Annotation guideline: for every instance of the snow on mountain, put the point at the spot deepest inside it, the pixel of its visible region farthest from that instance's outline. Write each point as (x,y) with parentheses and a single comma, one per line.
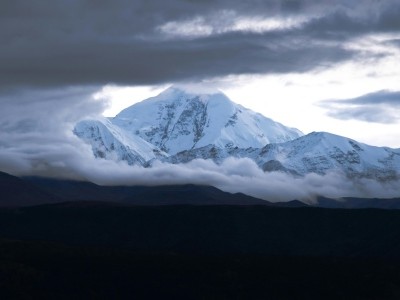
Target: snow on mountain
(177,120)
(321,152)
(111,142)
(178,126)
(317,152)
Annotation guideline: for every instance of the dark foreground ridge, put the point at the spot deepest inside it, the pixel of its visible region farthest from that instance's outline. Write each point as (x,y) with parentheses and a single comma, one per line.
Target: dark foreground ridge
(31,191)
(142,243)
(40,270)
(90,250)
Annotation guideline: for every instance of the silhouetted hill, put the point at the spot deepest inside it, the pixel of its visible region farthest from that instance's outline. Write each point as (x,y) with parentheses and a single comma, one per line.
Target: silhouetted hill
(31,191)
(15,191)
(143,195)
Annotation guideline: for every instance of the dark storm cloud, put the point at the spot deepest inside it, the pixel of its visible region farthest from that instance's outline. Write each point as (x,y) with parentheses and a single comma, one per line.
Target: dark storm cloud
(384,17)
(52,43)
(97,62)
(379,107)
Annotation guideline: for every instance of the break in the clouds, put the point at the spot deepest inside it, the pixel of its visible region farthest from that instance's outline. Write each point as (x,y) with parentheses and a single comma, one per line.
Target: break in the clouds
(53,43)
(380,107)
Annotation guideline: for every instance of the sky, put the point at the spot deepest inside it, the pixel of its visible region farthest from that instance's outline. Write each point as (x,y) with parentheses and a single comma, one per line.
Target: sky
(314,65)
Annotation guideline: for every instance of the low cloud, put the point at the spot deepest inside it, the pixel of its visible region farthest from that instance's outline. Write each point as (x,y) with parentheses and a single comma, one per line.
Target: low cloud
(233,175)
(36,128)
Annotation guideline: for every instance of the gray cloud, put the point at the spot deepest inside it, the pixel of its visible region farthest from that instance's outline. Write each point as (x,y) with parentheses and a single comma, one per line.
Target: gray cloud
(36,127)
(150,62)
(54,43)
(366,114)
(379,107)
(391,98)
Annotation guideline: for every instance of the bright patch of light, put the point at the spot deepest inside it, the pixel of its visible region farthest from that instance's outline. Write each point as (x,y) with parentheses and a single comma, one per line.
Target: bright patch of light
(261,25)
(188,29)
(122,97)
(206,26)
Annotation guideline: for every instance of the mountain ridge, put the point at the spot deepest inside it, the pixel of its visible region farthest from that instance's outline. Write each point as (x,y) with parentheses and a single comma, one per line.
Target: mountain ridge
(176,120)
(178,126)
(316,152)
(38,191)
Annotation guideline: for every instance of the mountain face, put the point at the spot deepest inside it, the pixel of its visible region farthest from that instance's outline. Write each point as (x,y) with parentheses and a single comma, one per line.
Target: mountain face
(317,152)
(177,120)
(111,142)
(321,152)
(178,126)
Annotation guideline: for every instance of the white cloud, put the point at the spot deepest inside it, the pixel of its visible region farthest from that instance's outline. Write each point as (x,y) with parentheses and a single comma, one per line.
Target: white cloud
(228,21)
(233,175)
(193,28)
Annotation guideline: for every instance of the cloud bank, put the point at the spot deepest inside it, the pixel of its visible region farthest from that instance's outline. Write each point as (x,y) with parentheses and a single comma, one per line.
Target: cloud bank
(63,43)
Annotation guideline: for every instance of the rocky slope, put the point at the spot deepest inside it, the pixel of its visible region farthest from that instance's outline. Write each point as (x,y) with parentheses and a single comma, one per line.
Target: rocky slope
(177,120)
(111,142)
(317,152)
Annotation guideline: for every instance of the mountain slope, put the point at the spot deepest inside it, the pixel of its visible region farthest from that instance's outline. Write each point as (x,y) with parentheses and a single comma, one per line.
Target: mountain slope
(111,142)
(15,191)
(177,120)
(321,152)
(317,152)
(189,194)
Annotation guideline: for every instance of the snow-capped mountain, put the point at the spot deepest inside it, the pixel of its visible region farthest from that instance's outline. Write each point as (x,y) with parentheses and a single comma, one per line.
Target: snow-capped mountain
(177,120)
(178,126)
(321,152)
(111,142)
(317,152)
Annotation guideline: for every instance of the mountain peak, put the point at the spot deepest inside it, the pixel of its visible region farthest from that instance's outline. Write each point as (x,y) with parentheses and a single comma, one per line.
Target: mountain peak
(190,93)
(182,124)
(192,89)
(187,117)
